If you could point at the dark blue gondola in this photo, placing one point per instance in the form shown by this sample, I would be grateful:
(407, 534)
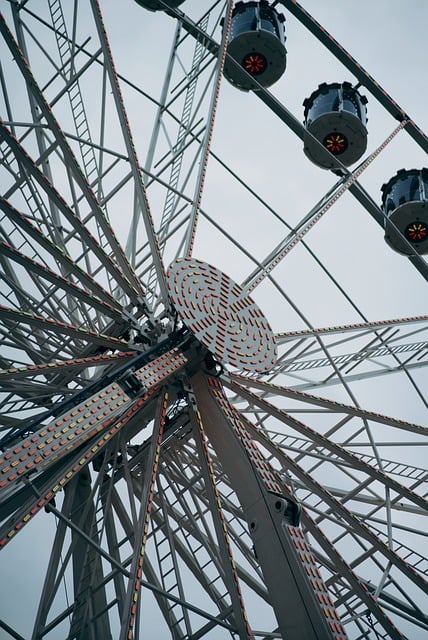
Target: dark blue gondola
(155, 5)
(256, 43)
(336, 115)
(405, 205)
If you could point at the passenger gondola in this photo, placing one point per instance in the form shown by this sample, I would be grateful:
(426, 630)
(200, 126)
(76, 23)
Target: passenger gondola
(336, 115)
(156, 5)
(405, 205)
(256, 44)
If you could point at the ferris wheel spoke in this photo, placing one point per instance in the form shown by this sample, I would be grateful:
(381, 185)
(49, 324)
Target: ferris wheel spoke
(232, 579)
(140, 191)
(67, 54)
(14, 293)
(313, 217)
(182, 531)
(190, 528)
(363, 326)
(363, 76)
(61, 282)
(186, 139)
(404, 471)
(186, 130)
(56, 365)
(189, 457)
(355, 188)
(296, 126)
(374, 349)
(30, 333)
(390, 591)
(77, 226)
(345, 581)
(188, 549)
(131, 603)
(209, 130)
(52, 302)
(59, 329)
(46, 444)
(303, 384)
(351, 525)
(78, 177)
(354, 359)
(60, 257)
(336, 450)
(275, 390)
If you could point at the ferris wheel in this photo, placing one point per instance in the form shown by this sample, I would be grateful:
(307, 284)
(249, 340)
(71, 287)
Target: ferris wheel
(213, 328)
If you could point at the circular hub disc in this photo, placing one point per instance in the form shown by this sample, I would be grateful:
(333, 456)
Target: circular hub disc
(221, 315)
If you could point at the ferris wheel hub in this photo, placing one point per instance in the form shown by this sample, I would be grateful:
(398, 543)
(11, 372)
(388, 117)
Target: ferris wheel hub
(221, 315)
